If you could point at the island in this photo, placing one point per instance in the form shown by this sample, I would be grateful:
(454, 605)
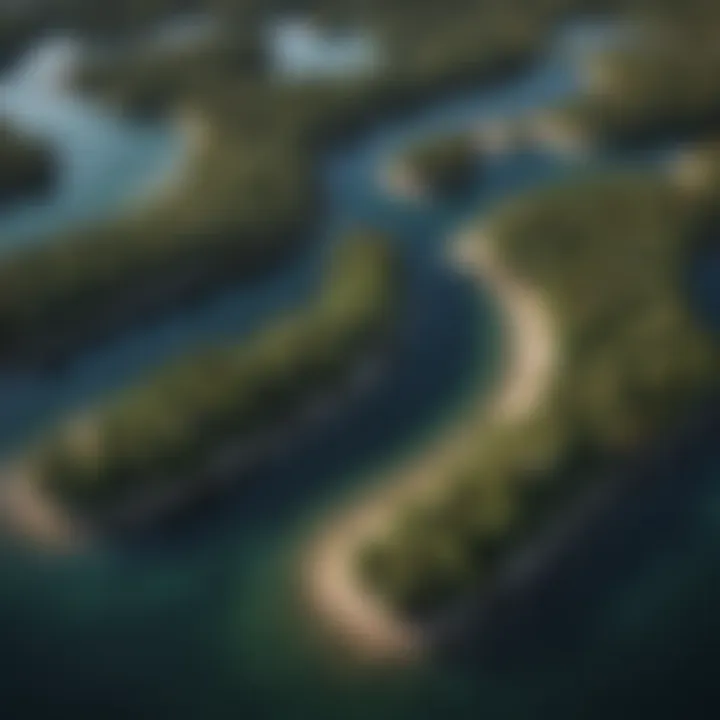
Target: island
(204, 421)
(441, 167)
(607, 357)
(27, 167)
(593, 378)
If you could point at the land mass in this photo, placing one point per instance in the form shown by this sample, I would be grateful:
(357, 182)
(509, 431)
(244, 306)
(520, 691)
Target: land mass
(334, 587)
(252, 195)
(593, 376)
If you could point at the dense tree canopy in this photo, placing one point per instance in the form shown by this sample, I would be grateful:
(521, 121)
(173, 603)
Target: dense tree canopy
(610, 255)
(663, 84)
(178, 424)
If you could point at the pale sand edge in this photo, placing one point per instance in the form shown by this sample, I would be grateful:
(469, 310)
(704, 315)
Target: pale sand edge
(31, 516)
(24, 509)
(331, 587)
(197, 133)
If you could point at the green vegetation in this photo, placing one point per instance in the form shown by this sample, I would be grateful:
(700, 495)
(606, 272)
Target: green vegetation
(443, 165)
(663, 84)
(223, 223)
(178, 425)
(610, 256)
(26, 167)
(250, 196)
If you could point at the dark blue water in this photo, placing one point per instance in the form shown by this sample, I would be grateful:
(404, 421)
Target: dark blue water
(203, 620)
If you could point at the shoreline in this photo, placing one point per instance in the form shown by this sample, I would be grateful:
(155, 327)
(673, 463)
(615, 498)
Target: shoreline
(29, 514)
(332, 588)
(401, 183)
(195, 132)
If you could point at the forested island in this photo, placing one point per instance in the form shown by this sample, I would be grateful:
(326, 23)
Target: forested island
(202, 419)
(610, 255)
(27, 167)
(438, 167)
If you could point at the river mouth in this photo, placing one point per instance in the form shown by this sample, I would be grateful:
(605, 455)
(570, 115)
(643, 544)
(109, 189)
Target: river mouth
(199, 615)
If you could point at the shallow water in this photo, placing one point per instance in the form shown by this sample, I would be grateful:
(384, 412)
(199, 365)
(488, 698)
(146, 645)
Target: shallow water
(106, 162)
(202, 619)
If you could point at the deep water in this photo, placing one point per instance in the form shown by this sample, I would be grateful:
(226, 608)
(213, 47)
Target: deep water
(202, 619)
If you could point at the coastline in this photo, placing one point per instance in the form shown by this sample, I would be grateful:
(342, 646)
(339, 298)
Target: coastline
(401, 183)
(196, 134)
(332, 588)
(31, 515)
(552, 133)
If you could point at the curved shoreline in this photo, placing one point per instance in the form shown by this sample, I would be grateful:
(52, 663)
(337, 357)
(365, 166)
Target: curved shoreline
(32, 515)
(196, 135)
(29, 515)
(331, 586)
(24, 510)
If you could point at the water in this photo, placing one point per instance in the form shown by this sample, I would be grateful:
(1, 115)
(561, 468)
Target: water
(300, 50)
(202, 619)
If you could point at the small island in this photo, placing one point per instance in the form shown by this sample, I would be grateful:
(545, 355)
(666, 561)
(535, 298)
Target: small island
(441, 166)
(207, 419)
(27, 167)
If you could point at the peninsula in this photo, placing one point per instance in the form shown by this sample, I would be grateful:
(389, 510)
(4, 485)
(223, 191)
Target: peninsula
(591, 375)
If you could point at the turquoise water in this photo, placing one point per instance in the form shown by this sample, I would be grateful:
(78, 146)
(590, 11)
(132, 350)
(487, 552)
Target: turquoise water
(203, 618)
(106, 162)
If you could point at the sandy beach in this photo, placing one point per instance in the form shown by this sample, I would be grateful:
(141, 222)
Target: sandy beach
(332, 588)
(400, 182)
(32, 516)
(197, 134)
(35, 517)
(555, 134)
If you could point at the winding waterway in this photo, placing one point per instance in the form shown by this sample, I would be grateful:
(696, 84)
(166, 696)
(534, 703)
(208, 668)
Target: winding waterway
(202, 619)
